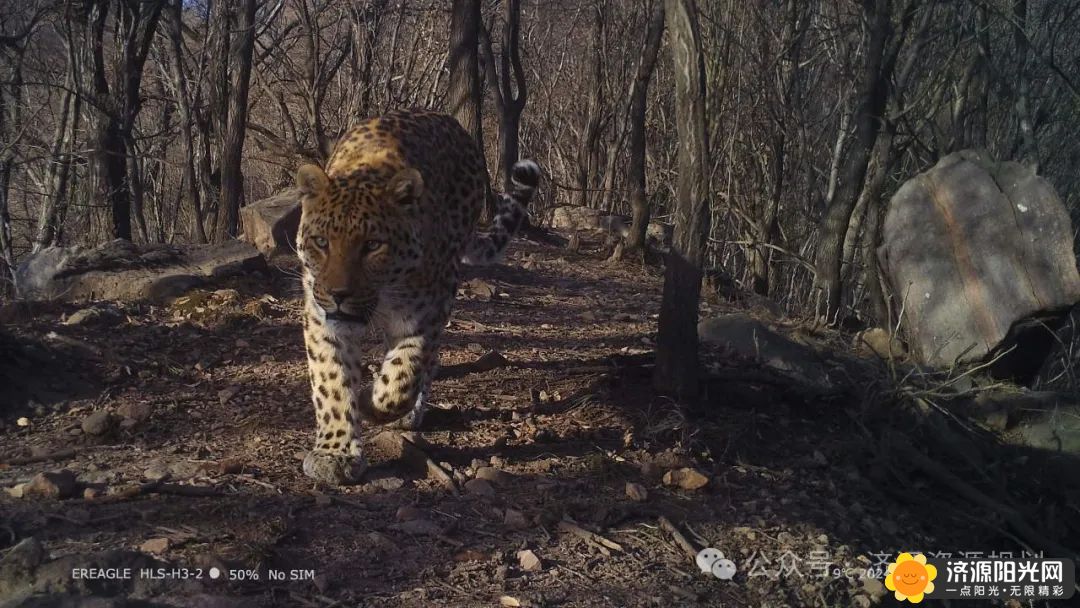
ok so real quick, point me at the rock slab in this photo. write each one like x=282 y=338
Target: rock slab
x=972 y=247
x=120 y=270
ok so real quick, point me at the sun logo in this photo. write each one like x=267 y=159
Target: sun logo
x=910 y=578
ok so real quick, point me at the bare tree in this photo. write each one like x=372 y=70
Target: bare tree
x=116 y=103
x=588 y=160
x=464 y=100
x=508 y=84
x=639 y=201
x=233 y=81
x=871 y=100
x=677 y=343
x=174 y=23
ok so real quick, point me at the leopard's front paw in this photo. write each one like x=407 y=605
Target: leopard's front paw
x=334 y=468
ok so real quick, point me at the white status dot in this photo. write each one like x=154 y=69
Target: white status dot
x=214 y=573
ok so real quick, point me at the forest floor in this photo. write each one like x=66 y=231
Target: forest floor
x=204 y=471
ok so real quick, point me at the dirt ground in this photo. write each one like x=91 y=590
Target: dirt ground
x=196 y=465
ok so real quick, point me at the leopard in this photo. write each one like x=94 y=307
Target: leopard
x=385 y=229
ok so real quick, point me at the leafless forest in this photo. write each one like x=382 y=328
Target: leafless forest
x=155 y=121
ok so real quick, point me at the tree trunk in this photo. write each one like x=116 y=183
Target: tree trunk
x=187 y=122
x=1028 y=149
x=117 y=105
x=872 y=96
x=639 y=201
x=465 y=98
x=58 y=175
x=588 y=151
x=677 y=344
x=232 y=143
x=7 y=254
x=514 y=91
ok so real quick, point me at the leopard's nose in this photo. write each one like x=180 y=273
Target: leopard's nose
x=340 y=295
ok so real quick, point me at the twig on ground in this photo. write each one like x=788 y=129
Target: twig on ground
x=57 y=455
x=602 y=544
x=156 y=487
x=687 y=546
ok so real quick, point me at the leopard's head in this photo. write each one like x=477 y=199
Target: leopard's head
x=358 y=236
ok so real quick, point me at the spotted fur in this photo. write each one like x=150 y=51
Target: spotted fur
x=382 y=234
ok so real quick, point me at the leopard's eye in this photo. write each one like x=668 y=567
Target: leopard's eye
x=320 y=242
x=372 y=246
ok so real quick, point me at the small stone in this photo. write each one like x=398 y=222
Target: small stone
x=474 y=347
x=477 y=463
x=16 y=491
x=528 y=561
x=686 y=478
x=184 y=470
x=242 y=343
x=97 y=423
x=388 y=483
x=91 y=493
x=408 y=513
x=90 y=315
x=227 y=393
x=491 y=474
x=861 y=601
x=57 y=485
x=157 y=471
x=479 y=487
x=636 y=492
x=22 y=421
x=546 y=326
x=515 y=520
x=508 y=601
x=75 y=431
x=155 y=545
x=136 y=411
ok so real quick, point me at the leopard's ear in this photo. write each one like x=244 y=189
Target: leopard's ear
x=406 y=187
x=311 y=180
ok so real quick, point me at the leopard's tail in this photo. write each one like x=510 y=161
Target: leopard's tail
x=488 y=247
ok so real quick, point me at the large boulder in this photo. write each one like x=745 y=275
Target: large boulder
x=271 y=223
x=120 y=270
x=973 y=250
